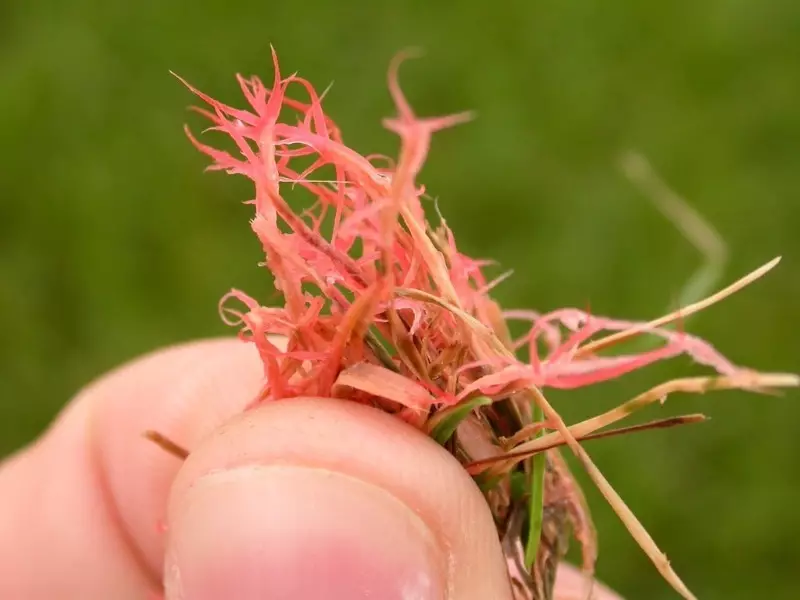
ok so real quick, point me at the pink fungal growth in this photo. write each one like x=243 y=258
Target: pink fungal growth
x=379 y=209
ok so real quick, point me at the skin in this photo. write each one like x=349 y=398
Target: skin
x=307 y=498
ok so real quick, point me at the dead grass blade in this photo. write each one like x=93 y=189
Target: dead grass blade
x=621 y=336
x=655 y=424
x=690 y=385
x=166 y=444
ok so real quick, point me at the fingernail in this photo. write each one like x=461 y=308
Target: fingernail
x=284 y=532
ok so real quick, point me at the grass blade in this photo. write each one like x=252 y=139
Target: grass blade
x=536 y=506
x=444 y=424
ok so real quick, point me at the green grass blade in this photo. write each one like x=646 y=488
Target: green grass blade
x=536 y=510
x=446 y=422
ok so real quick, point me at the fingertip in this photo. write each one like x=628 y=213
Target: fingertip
x=376 y=505
x=285 y=531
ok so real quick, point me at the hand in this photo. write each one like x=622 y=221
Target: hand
x=317 y=499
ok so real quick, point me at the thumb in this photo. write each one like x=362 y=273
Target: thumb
x=326 y=499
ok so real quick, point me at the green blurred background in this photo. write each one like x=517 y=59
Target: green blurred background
x=113 y=242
